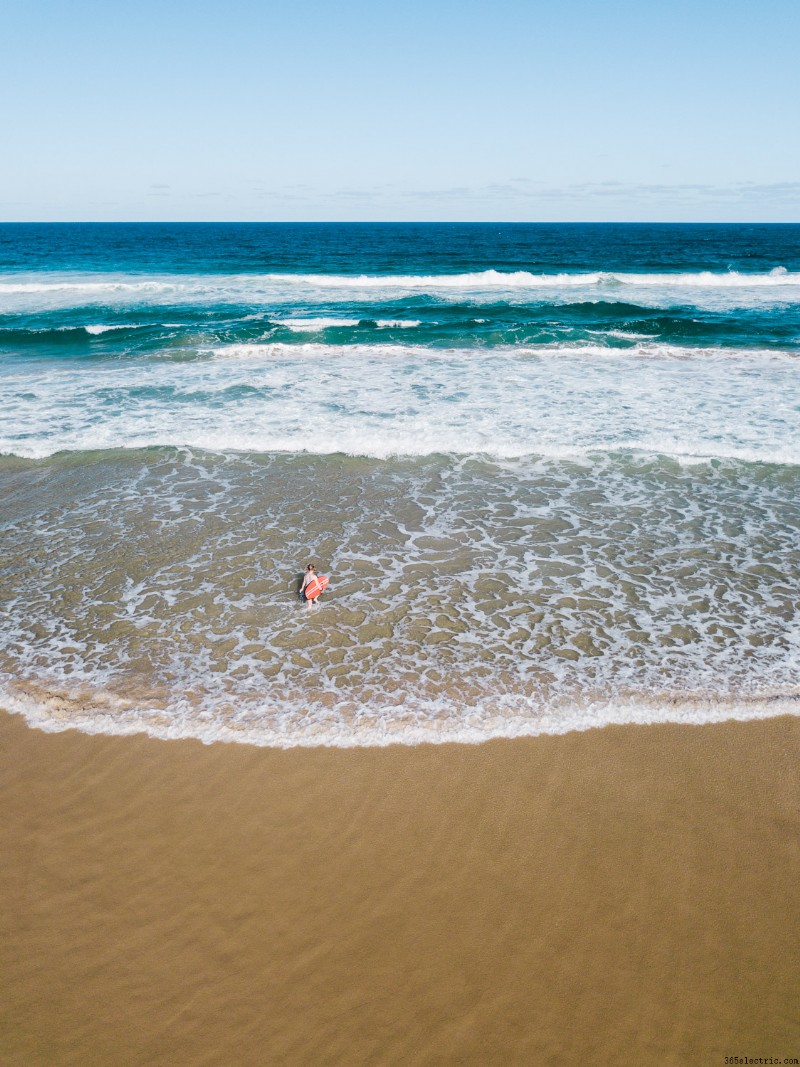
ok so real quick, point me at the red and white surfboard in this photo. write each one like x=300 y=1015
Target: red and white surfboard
x=317 y=585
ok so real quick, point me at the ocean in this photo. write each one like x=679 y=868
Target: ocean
x=553 y=473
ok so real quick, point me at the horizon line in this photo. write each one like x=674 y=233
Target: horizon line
x=393 y=222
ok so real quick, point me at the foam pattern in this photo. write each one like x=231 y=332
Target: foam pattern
x=469 y=599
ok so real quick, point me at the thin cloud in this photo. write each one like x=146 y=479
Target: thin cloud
x=524 y=193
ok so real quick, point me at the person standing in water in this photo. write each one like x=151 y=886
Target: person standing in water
x=311 y=573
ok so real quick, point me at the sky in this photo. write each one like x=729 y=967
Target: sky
x=439 y=110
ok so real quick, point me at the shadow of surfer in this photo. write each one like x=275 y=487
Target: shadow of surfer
x=298 y=585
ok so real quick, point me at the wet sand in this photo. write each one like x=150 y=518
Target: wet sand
x=621 y=896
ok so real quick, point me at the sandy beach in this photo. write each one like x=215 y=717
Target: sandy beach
x=621 y=896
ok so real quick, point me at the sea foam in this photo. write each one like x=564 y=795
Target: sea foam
x=29 y=292
x=288 y=728
x=393 y=400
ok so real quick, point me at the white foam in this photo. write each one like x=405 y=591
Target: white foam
x=391 y=400
x=706 y=288
x=641 y=347
x=84 y=286
x=494 y=279
x=97 y=330
x=312 y=325
x=463 y=725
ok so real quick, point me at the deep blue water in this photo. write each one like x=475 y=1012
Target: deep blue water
x=110 y=291
x=397 y=248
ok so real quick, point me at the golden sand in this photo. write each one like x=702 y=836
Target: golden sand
x=623 y=896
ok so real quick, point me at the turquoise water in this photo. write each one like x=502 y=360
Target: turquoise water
x=552 y=471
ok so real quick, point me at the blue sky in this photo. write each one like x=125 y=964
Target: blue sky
x=441 y=110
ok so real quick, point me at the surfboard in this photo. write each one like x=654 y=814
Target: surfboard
x=316 y=586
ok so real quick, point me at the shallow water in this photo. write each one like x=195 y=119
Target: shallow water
x=468 y=597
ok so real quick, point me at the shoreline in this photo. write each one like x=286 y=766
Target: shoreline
x=617 y=896
x=104 y=714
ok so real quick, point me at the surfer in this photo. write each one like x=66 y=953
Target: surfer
x=311 y=573
x=313 y=585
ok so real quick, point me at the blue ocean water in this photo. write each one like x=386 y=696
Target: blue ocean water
x=553 y=470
